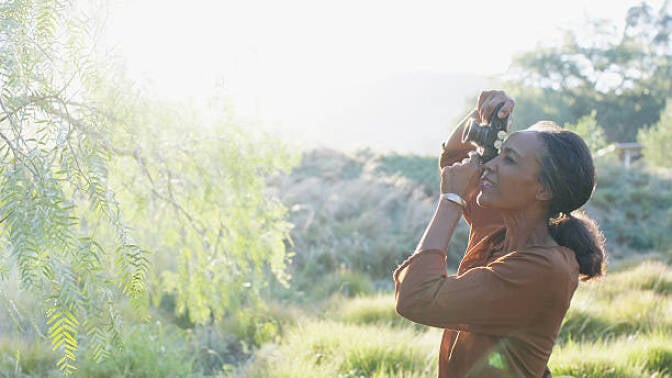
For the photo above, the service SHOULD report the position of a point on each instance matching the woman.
(528, 247)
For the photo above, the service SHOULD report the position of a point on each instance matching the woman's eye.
(508, 159)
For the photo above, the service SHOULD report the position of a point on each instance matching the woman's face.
(510, 180)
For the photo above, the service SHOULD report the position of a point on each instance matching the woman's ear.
(543, 193)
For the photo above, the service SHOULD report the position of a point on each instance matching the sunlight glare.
(283, 61)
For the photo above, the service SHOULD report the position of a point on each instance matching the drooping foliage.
(93, 177)
(55, 154)
(196, 194)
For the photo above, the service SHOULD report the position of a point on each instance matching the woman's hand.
(454, 148)
(488, 101)
(462, 178)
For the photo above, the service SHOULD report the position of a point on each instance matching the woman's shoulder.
(540, 267)
(541, 259)
(553, 259)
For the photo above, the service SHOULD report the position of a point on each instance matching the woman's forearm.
(441, 227)
(454, 141)
(453, 150)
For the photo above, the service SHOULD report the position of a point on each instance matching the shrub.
(632, 206)
(359, 220)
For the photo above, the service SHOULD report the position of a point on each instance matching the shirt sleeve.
(496, 299)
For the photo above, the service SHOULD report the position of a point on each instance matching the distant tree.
(625, 77)
(537, 104)
(657, 140)
(591, 132)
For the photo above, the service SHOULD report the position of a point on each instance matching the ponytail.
(568, 170)
(578, 232)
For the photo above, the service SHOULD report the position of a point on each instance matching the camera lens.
(476, 134)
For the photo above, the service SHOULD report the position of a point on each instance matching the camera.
(488, 137)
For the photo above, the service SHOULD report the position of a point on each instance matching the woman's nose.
(490, 165)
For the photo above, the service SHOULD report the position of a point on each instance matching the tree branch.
(17, 153)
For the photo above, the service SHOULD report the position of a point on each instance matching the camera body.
(488, 137)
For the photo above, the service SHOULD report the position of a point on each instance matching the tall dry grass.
(617, 327)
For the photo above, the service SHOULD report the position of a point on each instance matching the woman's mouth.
(487, 183)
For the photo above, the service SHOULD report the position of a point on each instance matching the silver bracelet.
(455, 198)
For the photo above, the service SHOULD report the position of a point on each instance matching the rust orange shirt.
(501, 313)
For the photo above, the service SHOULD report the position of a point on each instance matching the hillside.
(357, 216)
(364, 212)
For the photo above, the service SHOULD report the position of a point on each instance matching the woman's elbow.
(401, 306)
(420, 312)
(410, 307)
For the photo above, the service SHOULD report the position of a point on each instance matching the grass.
(375, 309)
(19, 358)
(650, 275)
(150, 350)
(328, 348)
(642, 355)
(620, 326)
(633, 301)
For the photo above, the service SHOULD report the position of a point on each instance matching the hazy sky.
(340, 41)
(276, 52)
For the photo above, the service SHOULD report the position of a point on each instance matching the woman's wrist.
(454, 198)
(440, 229)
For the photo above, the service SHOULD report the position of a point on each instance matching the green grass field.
(620, 326)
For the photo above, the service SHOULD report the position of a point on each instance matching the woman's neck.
(526, 229)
